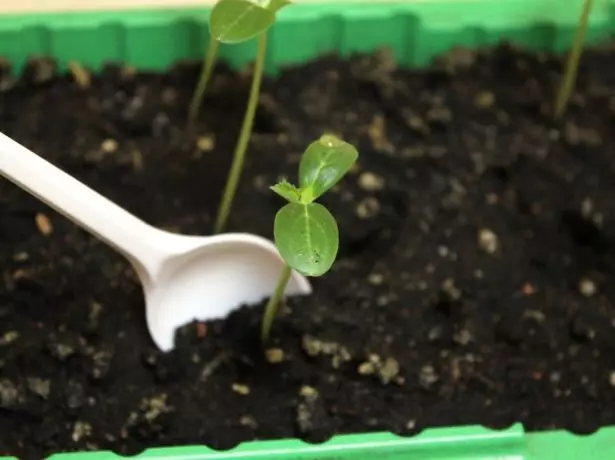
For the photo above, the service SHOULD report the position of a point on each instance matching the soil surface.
(473, 283)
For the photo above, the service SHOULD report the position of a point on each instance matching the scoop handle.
(85, 207)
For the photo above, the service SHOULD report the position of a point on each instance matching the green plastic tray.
(415, 31)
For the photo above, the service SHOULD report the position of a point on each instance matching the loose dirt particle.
(206, 143)
(274, 355)
(248, 421)
(367, 368)
(154, 407)
(428, 376)
(484, 100)
(9, 337)
(368, 208)
(371, 182)
(39, 386)
(243, 390)
(10, 394)
(488, 241)
(587, 287)
(109, 146)
(528, 289)
(43, 224)
(21, 257)
(81, 430)
(450, 290)
(80, 74)
(389, 370)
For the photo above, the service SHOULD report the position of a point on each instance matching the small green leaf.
(276, 5)
(323, 164)
(235, 21)
(287, 190)
(307, 237)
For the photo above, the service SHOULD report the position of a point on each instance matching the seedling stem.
(208, 66)
(244, 137)
(572, 63)
(273, 305)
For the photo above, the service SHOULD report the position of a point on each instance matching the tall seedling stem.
(208, 66)
(572, 63)
(237, 21)
(244, 137)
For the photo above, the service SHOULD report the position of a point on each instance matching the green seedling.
(572, 63)
(305, 232)
(232, 22)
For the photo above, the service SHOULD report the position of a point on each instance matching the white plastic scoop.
(184, 277)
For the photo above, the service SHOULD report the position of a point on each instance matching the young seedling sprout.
(572, 63)
(305, 232)
(232, 22)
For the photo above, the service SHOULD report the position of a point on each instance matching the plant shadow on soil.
(472, 284)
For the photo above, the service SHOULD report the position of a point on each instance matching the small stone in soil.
(109, 146)
(389, 370)
(612, 378)
(484, 100)
(248, 421)
(428, 376)
(274, 355)
(463, 337)
(439, 115)
(366, 368)
(21, 256)
(39, 386)
(451, 291)
(206, 143)
(307, 410)
(314, 347)
(243, 390)
(10, 395)
(368, 208)
(488, 241)
(587, 287)
(61, 351)
(81, 430)
(101, 363)
(371, 182)
(9, 337)
(43, 224)
(154, 407)
(80, 74)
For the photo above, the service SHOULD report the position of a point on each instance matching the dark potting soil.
(472, 286)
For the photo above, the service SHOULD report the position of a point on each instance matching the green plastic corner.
(415, 31)
(462, 443)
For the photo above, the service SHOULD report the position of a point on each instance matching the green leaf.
(287, 190)
(276, 5)
(236, 21)
(307, 237)
(323, 164)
